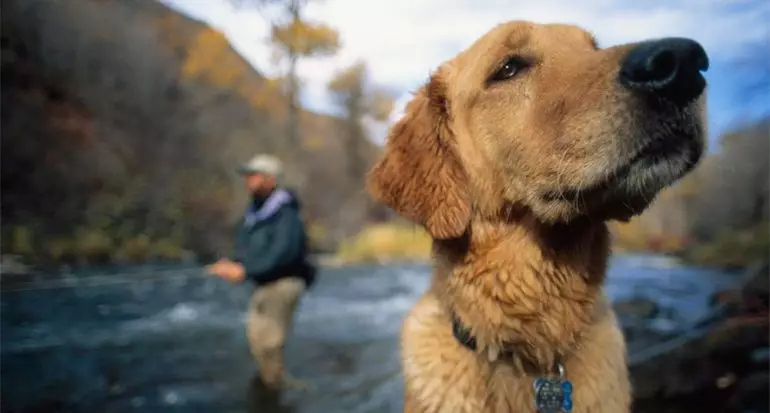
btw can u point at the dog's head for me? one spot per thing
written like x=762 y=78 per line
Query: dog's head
x=539 y=117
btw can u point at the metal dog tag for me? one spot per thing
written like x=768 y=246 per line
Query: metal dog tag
x=553 y=395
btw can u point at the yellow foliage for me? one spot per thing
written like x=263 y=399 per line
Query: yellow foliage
x=209 y=57
x=385 y=242
x=313 y=142
x=348 y=79
x=304 y=38
x=275 y=83
x=265 y=96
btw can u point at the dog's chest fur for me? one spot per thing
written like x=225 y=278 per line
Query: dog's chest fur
x=442 y=376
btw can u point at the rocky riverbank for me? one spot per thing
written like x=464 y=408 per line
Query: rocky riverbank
x=720 y=365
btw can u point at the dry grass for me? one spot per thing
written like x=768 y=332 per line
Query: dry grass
x=386 y=242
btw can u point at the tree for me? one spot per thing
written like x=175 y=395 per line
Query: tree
x=295 y=37
x=360 y=101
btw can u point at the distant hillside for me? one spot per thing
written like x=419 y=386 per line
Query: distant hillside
x=122 y=121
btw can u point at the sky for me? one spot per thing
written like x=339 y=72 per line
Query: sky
x=402 y=41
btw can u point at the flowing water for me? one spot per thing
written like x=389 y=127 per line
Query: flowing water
x=176 y=343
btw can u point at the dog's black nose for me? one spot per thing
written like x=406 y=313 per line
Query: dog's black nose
x=668 y=68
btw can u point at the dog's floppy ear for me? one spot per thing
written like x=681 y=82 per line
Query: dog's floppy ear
x=419 y=175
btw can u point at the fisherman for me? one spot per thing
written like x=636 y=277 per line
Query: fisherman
x=270 y=251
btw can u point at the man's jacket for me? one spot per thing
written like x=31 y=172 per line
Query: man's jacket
x=271 y=240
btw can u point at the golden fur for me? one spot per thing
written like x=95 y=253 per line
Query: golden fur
x=514 y=181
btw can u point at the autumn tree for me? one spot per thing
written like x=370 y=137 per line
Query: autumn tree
x=294 y=37
x=362 y=103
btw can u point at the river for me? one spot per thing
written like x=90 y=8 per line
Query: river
x=176 y=343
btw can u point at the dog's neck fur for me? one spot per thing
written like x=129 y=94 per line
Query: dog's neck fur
x=523 y=287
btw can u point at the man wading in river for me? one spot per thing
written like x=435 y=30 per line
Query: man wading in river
x=270 y=250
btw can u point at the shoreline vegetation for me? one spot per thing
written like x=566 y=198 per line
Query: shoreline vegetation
x=729 y=250
x=391 y=243
x=386 y=243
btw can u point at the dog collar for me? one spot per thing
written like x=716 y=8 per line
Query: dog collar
x=463 y=335
x=552 y=394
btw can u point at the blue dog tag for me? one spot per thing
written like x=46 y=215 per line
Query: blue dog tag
x=553 y=395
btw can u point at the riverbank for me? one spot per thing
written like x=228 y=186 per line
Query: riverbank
x=720 y=364
x=397 y=243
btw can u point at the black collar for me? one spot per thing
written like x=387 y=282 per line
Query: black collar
x=463 y=334
x=465 y=338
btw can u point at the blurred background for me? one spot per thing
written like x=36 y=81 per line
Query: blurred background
x=122 y=121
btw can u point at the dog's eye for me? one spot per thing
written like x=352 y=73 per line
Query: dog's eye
x=511 y=68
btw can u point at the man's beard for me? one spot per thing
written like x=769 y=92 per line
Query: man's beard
x=261 y=192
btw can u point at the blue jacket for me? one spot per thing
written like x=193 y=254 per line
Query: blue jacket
x=271 y=241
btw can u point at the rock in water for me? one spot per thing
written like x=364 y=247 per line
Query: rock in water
x=636 y=307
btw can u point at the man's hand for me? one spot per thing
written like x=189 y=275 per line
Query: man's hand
x=227 y=270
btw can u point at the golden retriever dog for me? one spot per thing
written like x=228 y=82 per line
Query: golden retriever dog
x=513 y=157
